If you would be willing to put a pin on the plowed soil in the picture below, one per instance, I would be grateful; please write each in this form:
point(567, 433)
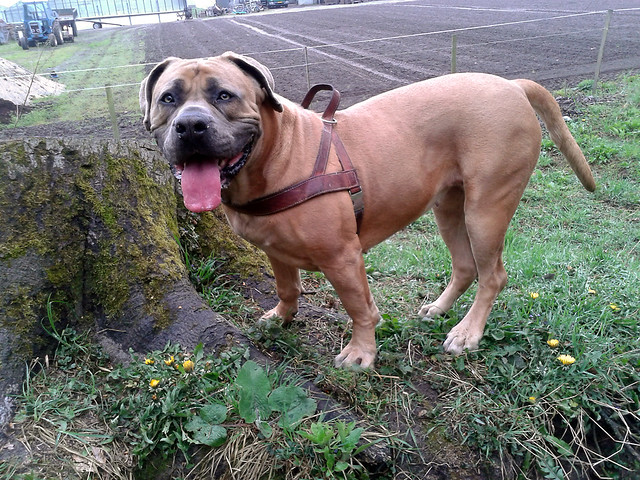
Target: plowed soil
point(367, 48)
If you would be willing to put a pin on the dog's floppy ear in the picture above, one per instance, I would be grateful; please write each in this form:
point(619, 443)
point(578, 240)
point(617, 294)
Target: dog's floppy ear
point(259, 72)
point(146, 89)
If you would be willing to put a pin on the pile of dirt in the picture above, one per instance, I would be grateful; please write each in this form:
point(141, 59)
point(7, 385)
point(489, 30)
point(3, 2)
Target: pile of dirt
point(18, 87)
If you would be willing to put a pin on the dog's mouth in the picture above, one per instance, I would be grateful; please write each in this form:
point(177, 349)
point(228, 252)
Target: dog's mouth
point(203, 179)
point(231, 167)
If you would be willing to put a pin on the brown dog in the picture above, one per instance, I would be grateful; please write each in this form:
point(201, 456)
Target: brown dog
point(463, 145)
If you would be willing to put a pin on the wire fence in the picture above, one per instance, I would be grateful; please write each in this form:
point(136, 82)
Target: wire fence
point(302, 59)
point(102, 8)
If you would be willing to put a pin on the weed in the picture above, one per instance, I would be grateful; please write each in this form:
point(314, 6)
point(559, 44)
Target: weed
point(171, 402)
point(210, 278)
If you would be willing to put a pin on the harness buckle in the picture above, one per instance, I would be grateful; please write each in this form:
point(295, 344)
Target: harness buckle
point(356, 199)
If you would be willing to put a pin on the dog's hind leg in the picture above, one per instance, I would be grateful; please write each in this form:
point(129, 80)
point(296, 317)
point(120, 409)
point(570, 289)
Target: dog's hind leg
point(449, 213)
point(289, 288)
point(486, 228)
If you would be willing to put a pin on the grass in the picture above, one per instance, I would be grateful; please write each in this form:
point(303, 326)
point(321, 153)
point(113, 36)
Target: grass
point(573, 260)
point(88, 417)
point(84, 75)
point(574, 264)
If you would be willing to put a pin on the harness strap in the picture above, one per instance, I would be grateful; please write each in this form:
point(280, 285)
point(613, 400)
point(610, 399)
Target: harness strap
point(299, 193)
point(320, 182)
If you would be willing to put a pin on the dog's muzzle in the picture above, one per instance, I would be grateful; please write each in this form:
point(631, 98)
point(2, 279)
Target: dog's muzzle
point(192, 125)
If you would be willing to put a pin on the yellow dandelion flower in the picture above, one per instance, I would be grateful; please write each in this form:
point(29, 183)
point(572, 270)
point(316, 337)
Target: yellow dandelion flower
point(169, 361)
point(154, 383)
point(591, 291)
point(566, 359)
point(534, 295)
point(553, 343)
point(149, 361)
point(532, 399)
point(188, 366)
point(614, 307)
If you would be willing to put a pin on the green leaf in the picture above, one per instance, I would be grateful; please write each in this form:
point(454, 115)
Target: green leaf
point(340, 466)
point(253, 387)
point(329, 457)
point(496, 334)
point(321, 433)
point(352, 439)
point(205, 433)
point(214, 413)
point(563, 447)
point(293, 403)
point(265, 428)
point(459, 363)
point(198, 352)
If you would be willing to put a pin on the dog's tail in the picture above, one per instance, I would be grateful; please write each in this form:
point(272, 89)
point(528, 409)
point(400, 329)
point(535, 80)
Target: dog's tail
point(547, 108)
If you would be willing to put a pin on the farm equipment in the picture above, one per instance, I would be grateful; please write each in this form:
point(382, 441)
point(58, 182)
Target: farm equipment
point(5, 32)
point(67, 19)
point(43, 25)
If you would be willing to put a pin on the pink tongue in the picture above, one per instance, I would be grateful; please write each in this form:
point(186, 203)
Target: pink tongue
point(201, 186)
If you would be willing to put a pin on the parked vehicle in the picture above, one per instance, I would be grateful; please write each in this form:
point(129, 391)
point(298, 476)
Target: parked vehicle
point(275, 3)
point(43, 25)
point(5, 32)
point(67, 18)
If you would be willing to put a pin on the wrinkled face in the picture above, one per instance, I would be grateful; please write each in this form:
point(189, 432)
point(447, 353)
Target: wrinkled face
point(205, 116)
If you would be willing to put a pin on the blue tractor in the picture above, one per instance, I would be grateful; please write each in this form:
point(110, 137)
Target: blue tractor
point(40, 25)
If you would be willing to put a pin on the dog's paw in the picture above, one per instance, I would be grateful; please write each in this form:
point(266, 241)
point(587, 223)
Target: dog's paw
point(355, 357)
point(460, 339)
point(431, 311)
point(278, 312)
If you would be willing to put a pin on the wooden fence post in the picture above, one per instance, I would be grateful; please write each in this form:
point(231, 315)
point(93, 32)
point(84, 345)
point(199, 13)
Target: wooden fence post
point(112, 113)
point(306, 66)
point(454, 53)
point(607, 22)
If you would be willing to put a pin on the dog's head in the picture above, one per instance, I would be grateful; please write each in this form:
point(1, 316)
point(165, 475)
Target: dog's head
point(206, 117)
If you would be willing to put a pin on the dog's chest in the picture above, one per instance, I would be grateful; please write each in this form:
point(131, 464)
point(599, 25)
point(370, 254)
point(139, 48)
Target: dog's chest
point(270, 235)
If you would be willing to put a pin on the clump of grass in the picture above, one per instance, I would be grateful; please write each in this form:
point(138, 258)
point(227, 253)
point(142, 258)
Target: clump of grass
point(214, 411)
point(574, 270)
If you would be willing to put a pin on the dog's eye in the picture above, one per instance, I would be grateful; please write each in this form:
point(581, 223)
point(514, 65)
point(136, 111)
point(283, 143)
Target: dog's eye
point(224, 96)
point(167, 98)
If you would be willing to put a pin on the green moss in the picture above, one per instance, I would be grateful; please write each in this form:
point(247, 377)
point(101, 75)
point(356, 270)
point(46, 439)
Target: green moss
point(137, 249)
point(157, 261)
point(21, 318)
point(41, 242)
point(108, 229)
point(103, 217)
point(215, 236)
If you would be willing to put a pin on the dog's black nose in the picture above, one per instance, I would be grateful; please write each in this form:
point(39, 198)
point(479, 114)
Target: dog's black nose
point(191, 125)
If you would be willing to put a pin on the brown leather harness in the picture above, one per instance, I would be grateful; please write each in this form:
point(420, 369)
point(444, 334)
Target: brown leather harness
point(320, 182)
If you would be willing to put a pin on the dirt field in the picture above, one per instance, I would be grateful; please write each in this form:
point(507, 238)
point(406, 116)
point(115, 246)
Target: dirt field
point(367, 48)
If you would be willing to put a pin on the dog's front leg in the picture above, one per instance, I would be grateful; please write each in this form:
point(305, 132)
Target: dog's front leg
point(289, 288)
point(349, 278)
